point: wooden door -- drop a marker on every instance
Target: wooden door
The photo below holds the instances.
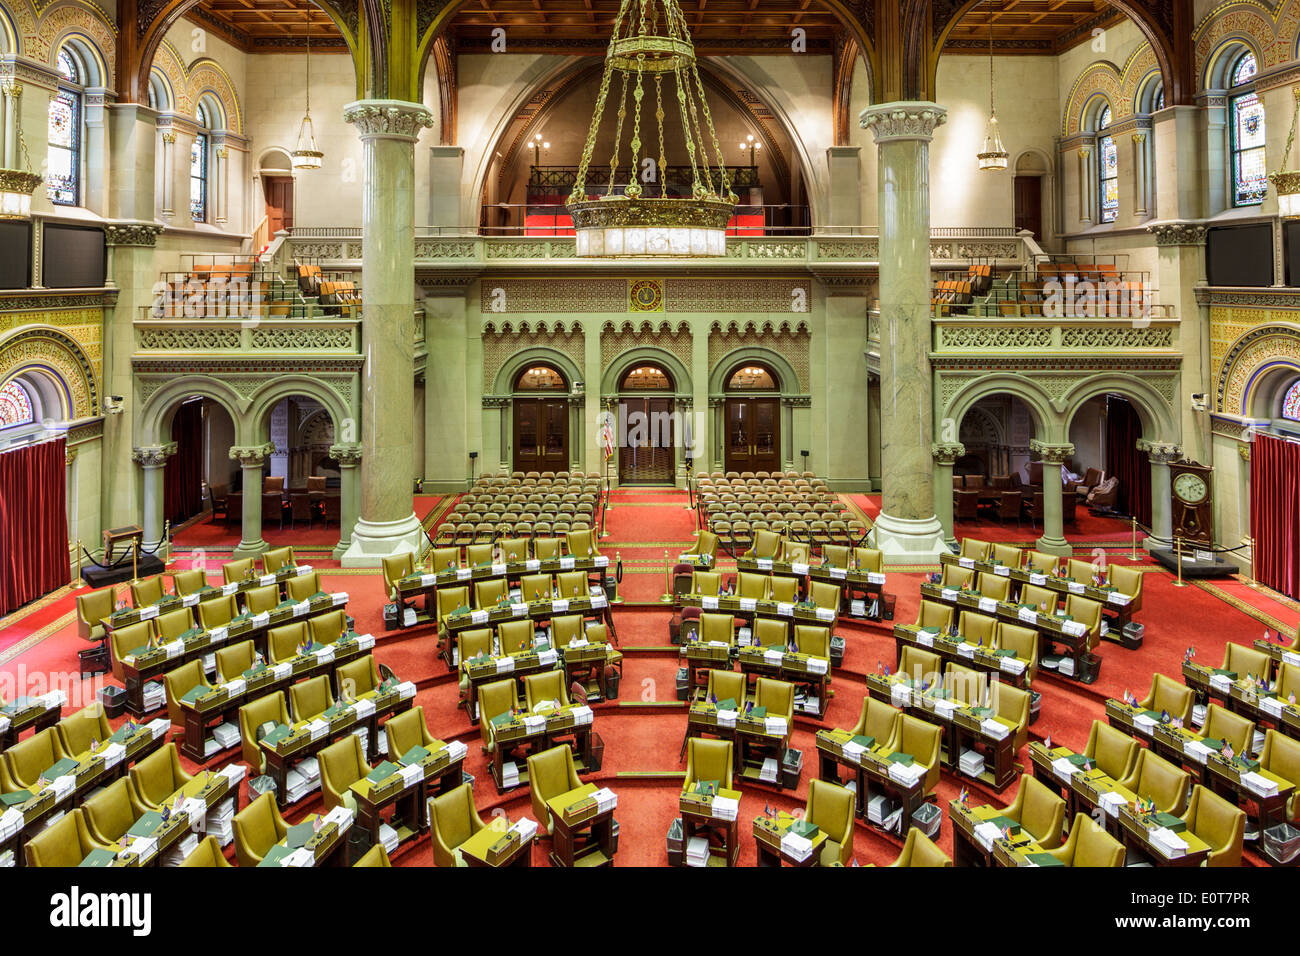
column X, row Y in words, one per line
column 541, row 435
column 645, row 452
column 279, row 203
column 1029, row 204
column 753, row 434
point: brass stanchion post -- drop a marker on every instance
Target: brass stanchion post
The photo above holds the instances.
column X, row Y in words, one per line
column 1134, row 555
column 668, row 582
column 135, row 562
column 1178, row 556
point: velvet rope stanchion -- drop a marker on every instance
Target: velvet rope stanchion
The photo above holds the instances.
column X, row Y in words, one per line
column 667, row 596
column 1178, row 556
column 135, row 562
column 1134, row 556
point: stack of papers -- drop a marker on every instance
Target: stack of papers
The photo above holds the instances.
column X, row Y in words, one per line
column 1144, row 722
column 606, row 799
column 309, row 767
column 906, row 775
column 811, row 704
column 944, row 708
column 1111, row 802
column 697, row 851
column 159, row 727
column 180, row 850
column 880, row 808
column 1195, row 750
column 340, row 815
column 582, row 715
column 987, row 833
column 7, row 858
column 726, row 718
column 220, row 821
column 1258, row 783
column 770, row 770
column 10, row 822
column 296, row 786
column 1168, row 842
column 509, row 775
column 1066, row 666
column 388, row 837
column 1011, row 665
column 226, row 734
column 526, row 827
column 796, row 847
column 1272, row 706
column 154, row 696
column 456, row 750
column 900, row 695
column 776, row 726
column 994, row 728
column 725, row 808
column 972, row 763
column 1064, row 766
column 1221, row 683
column 1198, row 714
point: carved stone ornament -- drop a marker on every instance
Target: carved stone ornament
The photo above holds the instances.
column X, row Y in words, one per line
column 388, row 119
column 1178, row 233
column 153, row 456
column 1160, row 452
column 904, row 120
column 346, row 455
column 131, row 233
column 250, row 456
column 947, row 452
column 1051, row 454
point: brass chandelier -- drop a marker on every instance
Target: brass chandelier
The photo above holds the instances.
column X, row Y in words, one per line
column 307, row 155
column 651, row 42
column 994, row 155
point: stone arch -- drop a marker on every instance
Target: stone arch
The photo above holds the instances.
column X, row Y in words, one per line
column 619, row 366
column 267, row 396
column 1251, row 355
column 531, row 355
column 1221, row 60
column 1101, row 78
column 778, row 363
column 168, row 62
column 1158, row 422
column 9, row 35
column 60, row 357
column 1247, row 22
column 92, row 30
column 153, row 420
column 46, row 390
column 209, row 82
column 164, row 93
column 1047, row 422
column 1033, row 153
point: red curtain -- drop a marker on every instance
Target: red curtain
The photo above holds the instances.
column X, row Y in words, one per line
column 183, row 474
column 1125, row 462
column 1275, row 513
column 33, row 523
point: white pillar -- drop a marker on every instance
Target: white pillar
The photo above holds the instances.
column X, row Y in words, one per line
column 153, row 462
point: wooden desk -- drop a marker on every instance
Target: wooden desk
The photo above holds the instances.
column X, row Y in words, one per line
column 717, row 824
column 769, row 836
column 150, row 848
column 587, row 811
column 870, row 584
column 126, row 616
column 538, row 732
column 308, row 738
column 595, row 606
column 1006, row 666
column 803, row 670
column 871, row 767
column 28, row 713
column 497, row 846
column 1135, row 833
column 216, row 705
column 486, row 669
column 967, row 847
column 148, row 665
column 322, row 847
column 115, row 536
column 439, row 771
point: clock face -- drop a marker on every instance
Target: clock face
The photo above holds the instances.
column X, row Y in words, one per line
column 1190, row 488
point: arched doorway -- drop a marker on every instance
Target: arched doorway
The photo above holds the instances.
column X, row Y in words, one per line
column 1030, row 193
column 541, row 419
column 753, row 419
column 645, row 426
column 277, row 186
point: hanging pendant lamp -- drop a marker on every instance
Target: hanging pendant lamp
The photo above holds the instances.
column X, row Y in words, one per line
column 994, row 155
column 307, row 156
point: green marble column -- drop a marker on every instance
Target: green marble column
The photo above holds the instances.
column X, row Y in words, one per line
column 907, row 530
column 1053, row 455
column 349, row 459
column 252, row 459
column 153, row 464
column 945, row 456
column 387, row 525
column 1160, row 454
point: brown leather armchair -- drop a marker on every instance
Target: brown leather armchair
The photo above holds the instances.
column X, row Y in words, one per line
column 277, row 558
column 706, row 543
column 232, row 661
column 717, row 627
column 1008, row 554
column 513, row 635
column 487, row 594
column 923, row 667
column 1088, row 613
column 1246, row 661
column 551, row 773
column 977, row 628
column 706, row 583
column 1043, row 562
column 1219, row 823
column 727, row 685
column 1039, row 811
column 263, row 599
column 994, row 586
column 964, row 684
column 158, row 776
column 452, row 820
column 1043, row 600
column 974, row 548
column 269, row 709
column 752, row 585
column 1169, row 696
column 207, row 853
column 548, row 686
column 1128, row 581
column 1024, row 641
column 573, row 584
column 189, row 582
column 581, row 544
column 282, row 642
column 218, row 611
column 1089, row 845
column 236, row 571
column 258, row 827
column 406, row 730
column 342, row 764
column 831, row 808
column 920, row 851
column 327, row 628
column 396, row 567
column 767, row 544
column 376, row 856
column 955, row 576
column 1232, row 729
column 565, row 629
column 123, row 641
column 303, row 586
column 784, row 590
column 168, row 627
column 1011, row 705
column 1154, row 778
column 64, row 843
column 1112, row 751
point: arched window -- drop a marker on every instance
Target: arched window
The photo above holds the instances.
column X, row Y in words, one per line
column 1291, row 403
column 1107, row 170
column 63, row 156
column 1246, row 134
column 540, row 378
column 15, row 406
column 199, row 168
column 752, row 378
column 646, row 378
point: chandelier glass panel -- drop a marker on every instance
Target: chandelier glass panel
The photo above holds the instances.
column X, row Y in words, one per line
column 651, row 62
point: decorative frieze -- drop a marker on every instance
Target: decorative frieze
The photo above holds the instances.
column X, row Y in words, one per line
column 1178, row 233
column 144, row 234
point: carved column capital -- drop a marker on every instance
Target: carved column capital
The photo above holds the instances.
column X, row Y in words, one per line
column 132, row 233
column 1178, row 233
column 153, row 456
column 251, row 456
column 1160, row 452
column 903, row 120
column 388, row 119
column 348, row 456
column 947, row 452
column 1051, row 453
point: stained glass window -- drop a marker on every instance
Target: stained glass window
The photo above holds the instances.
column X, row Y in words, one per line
column 199, row 178
column 1160, row 99
column 15, row 406
column 63, row 156
column 1246, row 132
column 1107, row 169
column 1291, row 403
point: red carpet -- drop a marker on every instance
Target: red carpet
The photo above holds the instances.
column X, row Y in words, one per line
column 642, row 731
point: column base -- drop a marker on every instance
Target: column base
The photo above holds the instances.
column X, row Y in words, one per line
column 909, row 540
column 248, row 549
column 372, row 541
column 1057, row 546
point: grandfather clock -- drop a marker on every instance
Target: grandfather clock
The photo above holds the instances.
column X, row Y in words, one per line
column 1192, row 504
